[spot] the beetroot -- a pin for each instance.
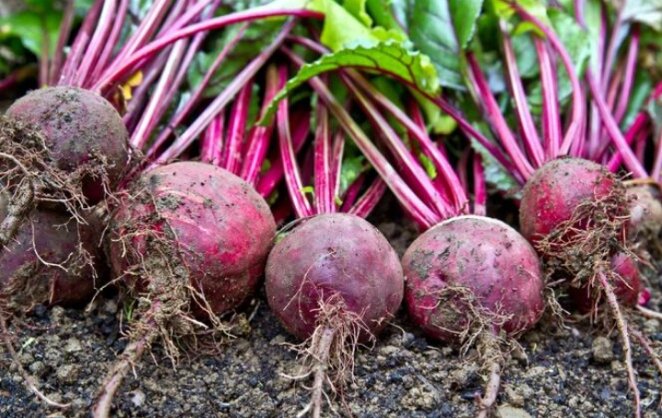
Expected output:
(202, 209)
(553, 193)
(469, 279)
(333, 279)
(61, 146)
(477, 260)
(81, 130)
(338, 257)
(52, 260)
(575, 212)
(192, 240)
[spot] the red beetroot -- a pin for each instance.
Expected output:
(626, 283)
(333, 256)
(81, 130)
(472, 260)
(552, 195)
(60, 146)
(575, 212)
(191, 232)
(646, 216)
(470, 279)
(215, 224)
(333, 280)
(52, 260)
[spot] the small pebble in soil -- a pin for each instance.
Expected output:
(68, 373)
(603, 352)
(507, 411)
(137, 398)
(72, 346)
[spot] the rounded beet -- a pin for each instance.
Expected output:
(552, 195)
(81, 129)
(212, 223)
(52, 260)
(333, 257)
(478, 261)
(576, 214)
(627, 280)
(191, 240)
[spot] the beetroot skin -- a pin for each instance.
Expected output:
(485, 257)
(626, 283)
(215, 224)
(645, 212)
(80, 128)
(333, 255)
(556, 189)
(57, 239)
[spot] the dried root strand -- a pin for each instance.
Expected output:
(459, 306)
(131, 355)
(474, 326)
(328, 354)
(646, 344)
(19, 206)
(649, 313)
(323, 351)
(164, 296)
(622, 326)
(654, 357)
(160, 312)
(492, 358)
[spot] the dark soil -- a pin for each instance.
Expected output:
(560, 372)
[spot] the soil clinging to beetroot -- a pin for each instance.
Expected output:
(81, 130)
(190, 242)
(478, 258)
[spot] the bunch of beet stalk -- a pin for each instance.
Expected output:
(174, 229)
